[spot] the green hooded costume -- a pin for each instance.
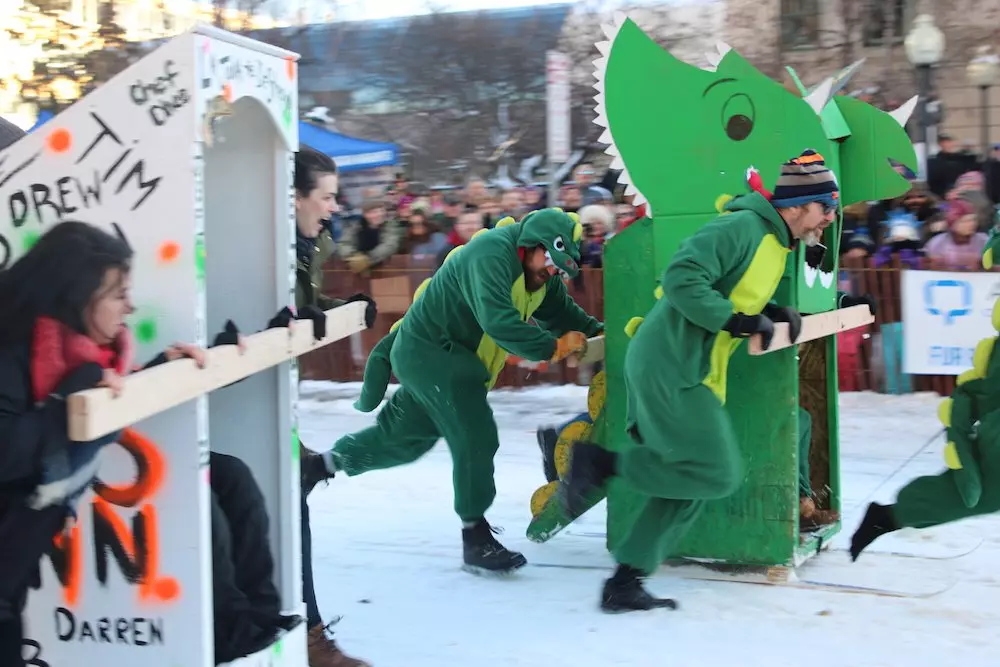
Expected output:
(452, 344)
(683, 449)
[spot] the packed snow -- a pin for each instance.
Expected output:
(387, 558)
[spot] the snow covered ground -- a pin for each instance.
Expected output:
(387, 553)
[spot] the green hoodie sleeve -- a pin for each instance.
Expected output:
(560, 314)
(700, 261)
(486, 286)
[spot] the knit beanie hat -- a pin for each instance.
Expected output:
(803, 180)
(958, 209)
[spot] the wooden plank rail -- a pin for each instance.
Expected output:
(95, 412)
(816, 326)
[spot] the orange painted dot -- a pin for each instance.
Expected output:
(167, 589)
(60, 140)
(169, 251)
(227, 92)
(290, 68)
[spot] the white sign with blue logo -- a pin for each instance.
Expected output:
(945, 315)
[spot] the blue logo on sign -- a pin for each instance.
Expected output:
(935, 287)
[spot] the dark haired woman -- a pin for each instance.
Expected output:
(316, 189)
(62, 329)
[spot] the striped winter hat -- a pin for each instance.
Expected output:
(803, 180)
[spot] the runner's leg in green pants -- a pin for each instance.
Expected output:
(805, 438)
(683, 452)
(451, 404)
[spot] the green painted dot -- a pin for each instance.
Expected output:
(276, 647)
(288, 115)
(145, 330)
(295, 444)
(29, 240)
(199, 258)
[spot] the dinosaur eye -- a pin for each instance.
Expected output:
(558, 244)
(738, 116)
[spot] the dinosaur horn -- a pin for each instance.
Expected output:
(818, 98)
(903, 113)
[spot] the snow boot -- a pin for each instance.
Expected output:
(877, 522)
(324, 652)
(589, 468)
(484, 555)
(547, 439)
(313, 469)
(623, 592)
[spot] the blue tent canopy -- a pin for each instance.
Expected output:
(351, 154)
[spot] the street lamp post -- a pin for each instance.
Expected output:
(924, 49)
(983, 71)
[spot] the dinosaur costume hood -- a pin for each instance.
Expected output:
(757, 203)
(558, 232)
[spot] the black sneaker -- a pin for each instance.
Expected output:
(589, 468)
(313, 471)
(484, 555)
(547, 439)
(624, 592)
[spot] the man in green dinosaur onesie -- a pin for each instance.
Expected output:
(970, 484)
(448, 350)
(682, 450)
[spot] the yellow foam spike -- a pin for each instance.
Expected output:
(658, 292)
(453, 251)
(951, 457)
(577, 430)
(981, 357)
(988, 259)
(503, 222)
(556, 208)
(481, 231)
(944, 412)
(632, 326)
(970, 374)
(420, 289)
(395, 325)
(996, 315)
(721, 201)
(597, 394)
(577, 231)
(541, 497)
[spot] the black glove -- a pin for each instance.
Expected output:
(847, 301)
(318, 318)
(86, 376)
(370, 312)
(744, 326)
(790, 315)
(228, 336)
(285, 317)
(282, 319)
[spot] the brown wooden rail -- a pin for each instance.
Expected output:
(393, 283)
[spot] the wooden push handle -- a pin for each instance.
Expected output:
(816, 326)
(95, 412)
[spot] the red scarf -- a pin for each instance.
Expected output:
(57, 350)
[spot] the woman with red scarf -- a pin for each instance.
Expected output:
(62, 330)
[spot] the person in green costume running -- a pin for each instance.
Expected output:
(717, 290)
(448, 350)
(970, 484)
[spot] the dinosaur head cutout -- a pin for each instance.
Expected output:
(684, 135)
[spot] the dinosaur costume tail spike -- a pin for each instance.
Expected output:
(903, 113)
(609, 30)
(604, 48)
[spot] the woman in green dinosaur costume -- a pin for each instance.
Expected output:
(716, 290)
(448, 351)
(970, 485)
